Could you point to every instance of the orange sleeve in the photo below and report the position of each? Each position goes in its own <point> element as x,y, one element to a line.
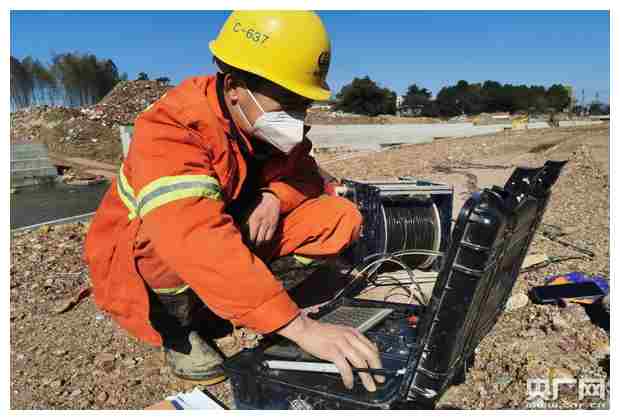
<point>299,179</point>
<point>198,240</point>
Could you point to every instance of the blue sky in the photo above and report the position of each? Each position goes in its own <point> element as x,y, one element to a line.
<point>394,48</point>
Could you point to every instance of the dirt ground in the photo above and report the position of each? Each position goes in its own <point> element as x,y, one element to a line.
<point>77,358</point>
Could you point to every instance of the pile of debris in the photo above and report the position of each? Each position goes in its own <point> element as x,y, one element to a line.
<point>26,123</point>
<point>90,132</point>
<point>128,99</point>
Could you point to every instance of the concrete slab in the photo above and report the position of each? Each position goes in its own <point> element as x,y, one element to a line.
<point>377,136</point>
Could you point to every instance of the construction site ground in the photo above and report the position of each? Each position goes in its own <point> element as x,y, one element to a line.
<point>75,357</point>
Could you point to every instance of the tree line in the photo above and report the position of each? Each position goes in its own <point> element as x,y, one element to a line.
<point>490,96</point>
<point>71,79</point>
<point>364,96</point>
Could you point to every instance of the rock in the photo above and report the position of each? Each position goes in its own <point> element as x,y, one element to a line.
<point>560,373</point>
<point>105,361</point>
<point>60,352</point>
<point>129,362</point>
<point>600,349</point>
<point>134,382</point>
<point>76,392</point>
<point>532,332</point>
<point>504,380</point>
<point>102,397</point>
<point>558,323</point>
<point>577,312</point>
<point>516,301</point>
<point>57,383</point>
<point>151,371</point>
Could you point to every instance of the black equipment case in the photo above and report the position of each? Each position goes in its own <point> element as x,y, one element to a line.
<point>488,244</point>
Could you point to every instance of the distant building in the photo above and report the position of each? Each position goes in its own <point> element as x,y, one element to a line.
<point>322,105</point>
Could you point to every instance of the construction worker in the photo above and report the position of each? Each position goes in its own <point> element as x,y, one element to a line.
<point>217,183</point>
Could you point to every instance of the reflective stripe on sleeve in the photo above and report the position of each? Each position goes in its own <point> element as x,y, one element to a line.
<point>126,194</point>
<point>171,188</point>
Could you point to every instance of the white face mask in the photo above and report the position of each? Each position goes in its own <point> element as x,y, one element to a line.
<point>284,130</point>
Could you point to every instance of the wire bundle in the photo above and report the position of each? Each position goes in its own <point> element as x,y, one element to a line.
<point>412,225</point>
<point>368,271</point>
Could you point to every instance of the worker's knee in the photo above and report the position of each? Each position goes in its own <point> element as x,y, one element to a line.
<point>348,219</point>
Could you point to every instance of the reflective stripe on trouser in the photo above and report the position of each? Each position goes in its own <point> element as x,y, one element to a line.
<point>163,191</point>
<point>319,227</point>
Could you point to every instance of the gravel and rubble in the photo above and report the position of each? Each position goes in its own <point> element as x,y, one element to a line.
<point>89,132</point>
<point>78,358</point>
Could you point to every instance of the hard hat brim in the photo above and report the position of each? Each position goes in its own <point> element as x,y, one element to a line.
<point>307,91</point>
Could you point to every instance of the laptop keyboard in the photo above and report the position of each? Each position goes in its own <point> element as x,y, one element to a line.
<point>362,318</point>
<point>358,317</point>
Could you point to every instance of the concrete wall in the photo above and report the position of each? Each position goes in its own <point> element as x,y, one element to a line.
<point>30,165</point>
<point>376,137</point>
<point>126,132</point>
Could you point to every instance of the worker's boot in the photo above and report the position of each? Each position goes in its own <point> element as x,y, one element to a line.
<point>201,363</point>
<point>188,355</point>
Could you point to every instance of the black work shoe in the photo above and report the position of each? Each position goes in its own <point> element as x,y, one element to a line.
<point>197,362</point>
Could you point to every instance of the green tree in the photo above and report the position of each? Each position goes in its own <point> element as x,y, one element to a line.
<point>72,79</point>
<point>19,89</point>
<point>363,96</point>
<point>142,76</point>
<point>20,84</point>
<point>416,99</point>
<point>558,97</point>
<point>84,78</point>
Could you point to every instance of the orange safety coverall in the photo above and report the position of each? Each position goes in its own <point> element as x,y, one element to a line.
<point>143,234</point>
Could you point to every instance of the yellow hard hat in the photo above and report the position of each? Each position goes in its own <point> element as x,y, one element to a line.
<point>289,48</point>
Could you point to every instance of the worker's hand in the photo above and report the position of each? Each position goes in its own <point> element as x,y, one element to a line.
<point>263,221</point>
<point>343,346</point>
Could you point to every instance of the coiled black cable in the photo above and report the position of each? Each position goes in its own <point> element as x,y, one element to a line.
<point>413,224</point>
